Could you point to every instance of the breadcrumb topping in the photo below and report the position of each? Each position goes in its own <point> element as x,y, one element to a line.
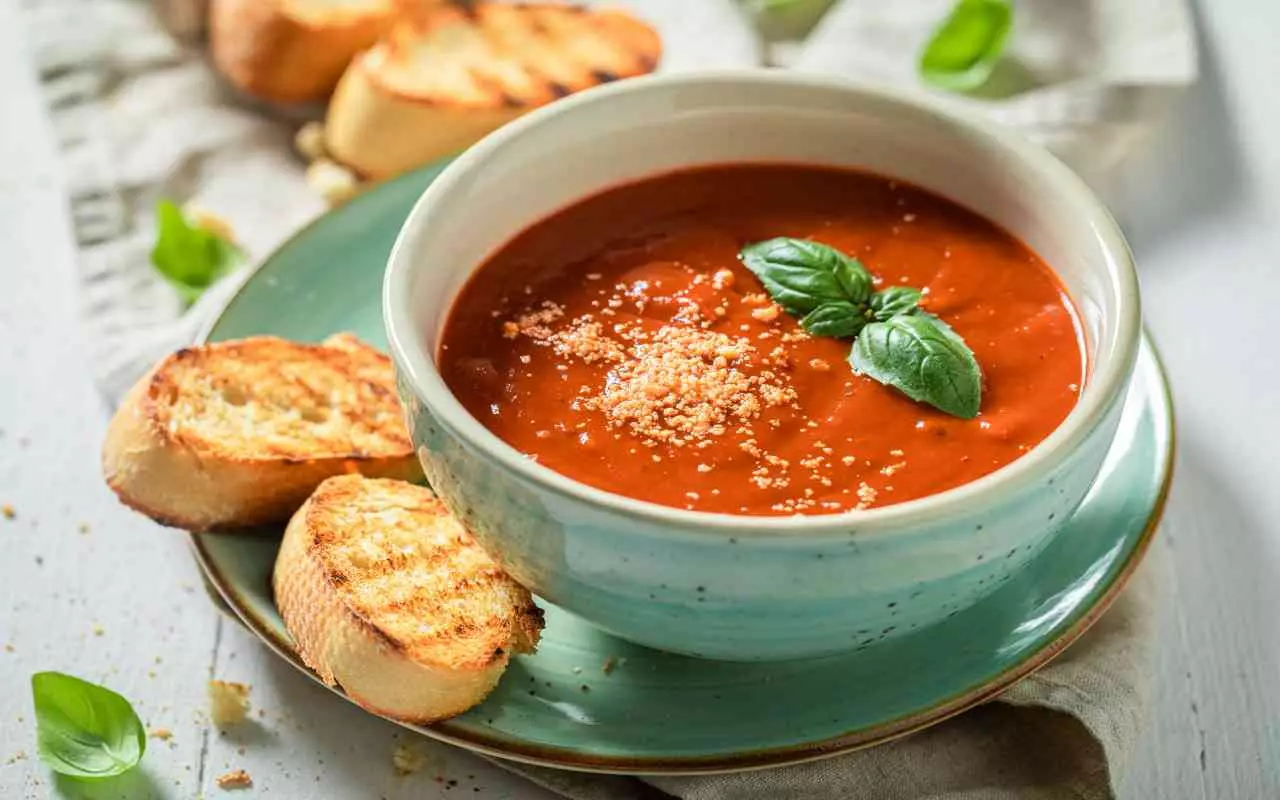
<point>674,369</point>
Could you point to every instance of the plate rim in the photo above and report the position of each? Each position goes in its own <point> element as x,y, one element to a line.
<point>565,759</point>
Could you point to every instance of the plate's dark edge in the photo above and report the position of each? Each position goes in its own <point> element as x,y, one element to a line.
<point>759,759</point>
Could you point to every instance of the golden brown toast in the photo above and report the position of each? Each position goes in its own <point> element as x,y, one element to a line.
<point>444,76</point>
<point>292,51</point>
<point>239,433</point>
<point>386,594</point>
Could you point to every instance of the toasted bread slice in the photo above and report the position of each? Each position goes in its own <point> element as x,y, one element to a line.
<point>239,433</point>
<point>443,77</point>
<point>292,51</point>
<point>386,594</point>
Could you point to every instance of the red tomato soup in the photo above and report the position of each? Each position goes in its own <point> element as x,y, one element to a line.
<point>622,343</point>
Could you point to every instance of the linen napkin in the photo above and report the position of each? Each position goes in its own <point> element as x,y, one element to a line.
<point>140,115</point>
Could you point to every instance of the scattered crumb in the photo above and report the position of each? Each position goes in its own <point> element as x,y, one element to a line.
<point>235,779</point>
<point>84,527</point>
<point>407,759</point>
<point>608,665</point>
<point>309,141</point>
<point>8,511</point>
<point>819,364</point>
<point>163,734</point>
<point>18,756</point>
<point>332,181</point>
<point>228,703</point>
<point>577,670</point>
<point>767,314</point>
<point>8,648</point>
<point>98,630</point>
<point>209,221</point>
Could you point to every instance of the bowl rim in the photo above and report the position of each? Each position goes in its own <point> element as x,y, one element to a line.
<point>1104,388</point>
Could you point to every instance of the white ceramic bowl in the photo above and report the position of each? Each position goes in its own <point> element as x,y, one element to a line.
<point>741,587</point>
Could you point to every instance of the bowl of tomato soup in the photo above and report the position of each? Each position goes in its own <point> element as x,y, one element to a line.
<point>756,365</point>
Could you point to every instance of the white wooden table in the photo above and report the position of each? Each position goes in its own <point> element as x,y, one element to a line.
<point>89,588</point>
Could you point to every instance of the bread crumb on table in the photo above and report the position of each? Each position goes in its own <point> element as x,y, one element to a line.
<point>309,141</point>
<point>228,703</point>
<point>235,779</point>
<point>407,759</point>
<point>333,182</point>
<point>209,221</point>
<point>163,734</point>
<point>8,511</point>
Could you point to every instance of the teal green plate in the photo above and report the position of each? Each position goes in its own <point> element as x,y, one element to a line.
<point>660,713</point>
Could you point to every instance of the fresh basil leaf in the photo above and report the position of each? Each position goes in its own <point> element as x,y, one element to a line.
<point>853,279</point>
<point>84,730</point>
<point>801,275</point>
<point>894,301</point>
<point>839,320</point>
<point>191,258</point>
<point>966,47</point>
<point>921,356</point>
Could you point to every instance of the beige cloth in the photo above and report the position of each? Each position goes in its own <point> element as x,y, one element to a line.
<point>140,116</point>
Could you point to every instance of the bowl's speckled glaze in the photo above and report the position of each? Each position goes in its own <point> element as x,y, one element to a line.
<point>737,587</point>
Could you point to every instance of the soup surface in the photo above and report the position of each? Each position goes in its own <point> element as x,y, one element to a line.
<point>622,343</point>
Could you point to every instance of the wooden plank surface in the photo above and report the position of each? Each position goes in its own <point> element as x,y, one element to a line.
<point>119,601</point>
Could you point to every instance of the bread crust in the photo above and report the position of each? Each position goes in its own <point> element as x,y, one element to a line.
<point>198,443</point>
<point>440,79</point>
<point>291,51</point>
<point>386,595</point>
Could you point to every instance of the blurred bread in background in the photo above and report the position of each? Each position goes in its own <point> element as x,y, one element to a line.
<point>292,51</point>
<point>442,76</point>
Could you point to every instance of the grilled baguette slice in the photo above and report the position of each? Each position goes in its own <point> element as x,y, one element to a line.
<point>386,594</point>
<point>292,51</point>
<point>443,77</point>
<point>239,433</point>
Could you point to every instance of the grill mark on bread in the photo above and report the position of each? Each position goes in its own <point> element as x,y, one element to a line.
<point>238,433</point>
<point>447,565</point>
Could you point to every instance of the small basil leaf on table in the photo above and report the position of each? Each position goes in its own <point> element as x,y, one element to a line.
<point>894,301</point>
<point>801,275</point>
<point>190,257</point>
<point>965,49</point>
<point>84,730</point>
<point>922,357</point>
<point>839,320</point>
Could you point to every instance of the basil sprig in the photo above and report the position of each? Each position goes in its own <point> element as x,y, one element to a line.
<point>896,342</point>
<point>84,730</point>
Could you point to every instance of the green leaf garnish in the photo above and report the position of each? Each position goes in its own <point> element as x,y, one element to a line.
<point>921,356</point>
<point>894,301</point>
<point>84,730</point>
<point>964,50</point>
<point>801,275</point>
<point>838,320</point>
<point>190,257</point>
<point>897,344</point>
